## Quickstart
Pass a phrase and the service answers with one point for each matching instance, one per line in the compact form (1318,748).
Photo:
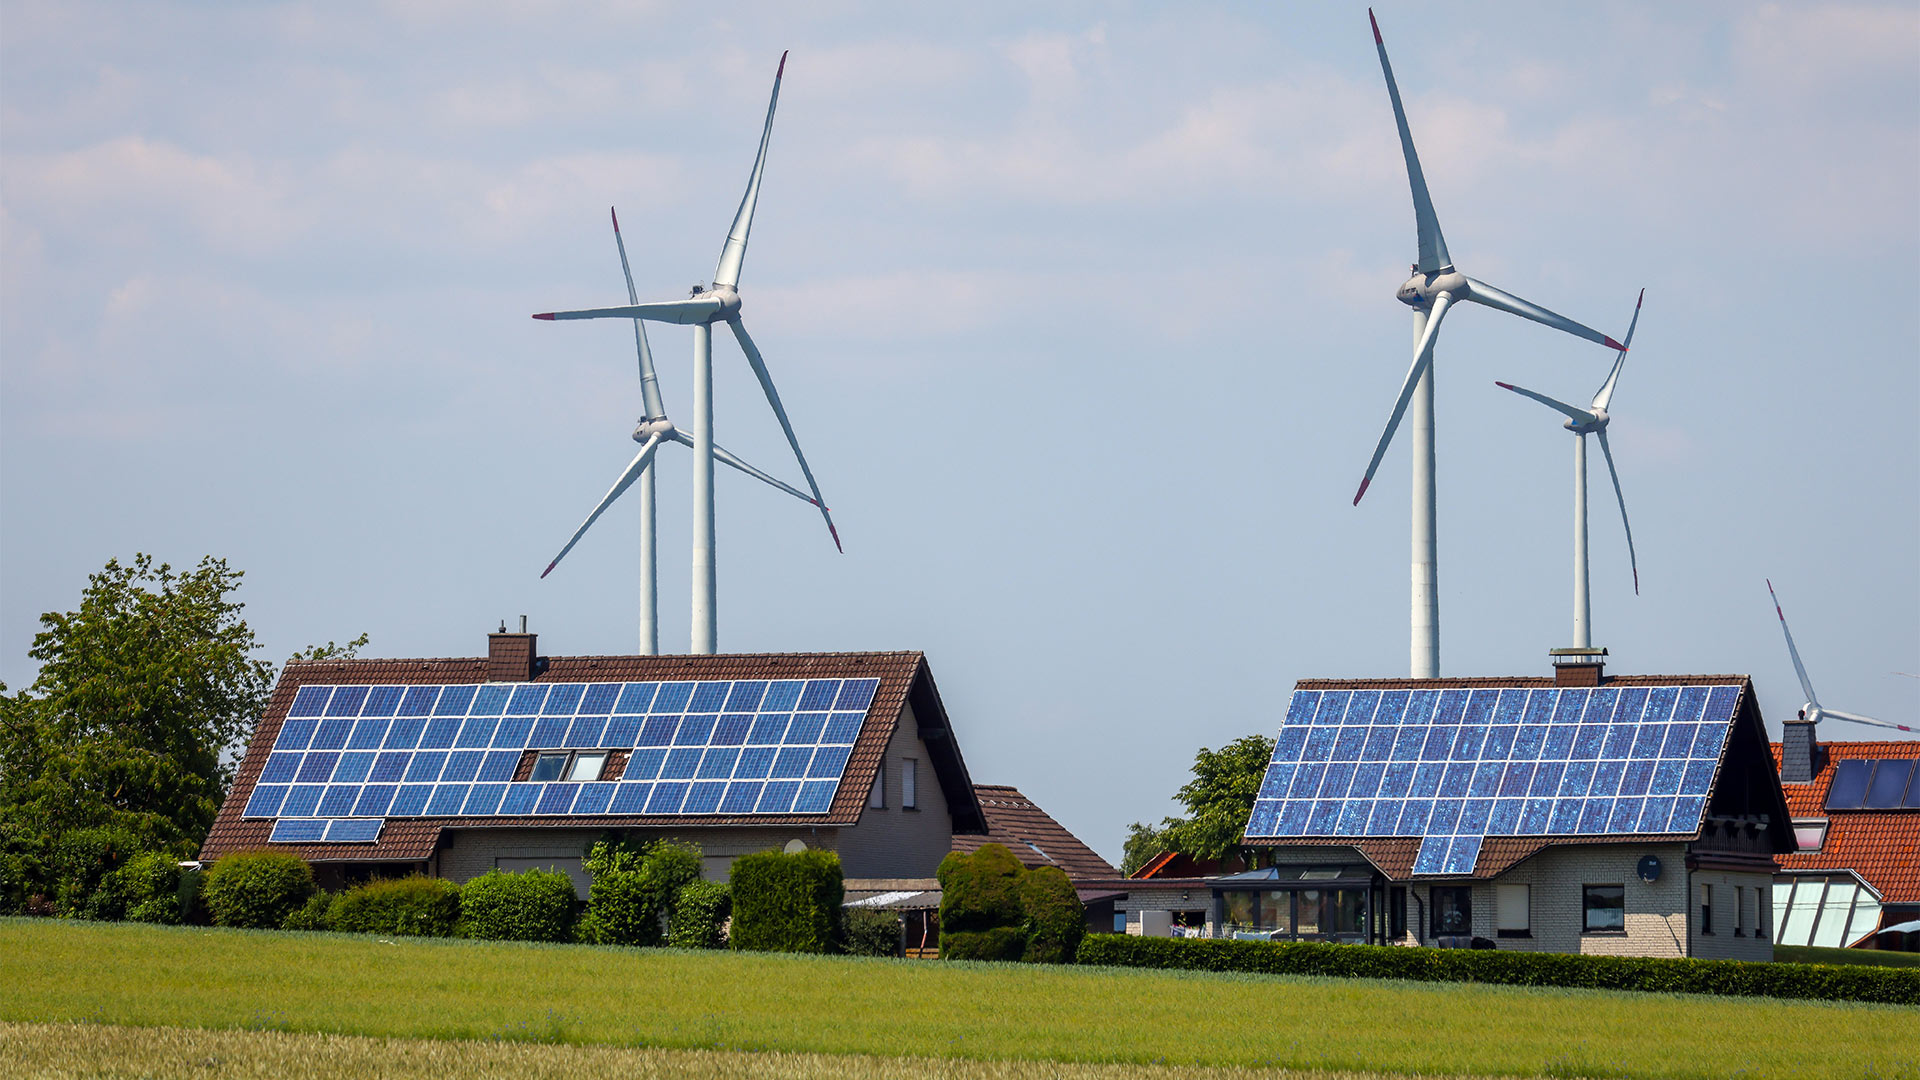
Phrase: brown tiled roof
(901,674)
(1518,682)
(1882,846)
(1032,835)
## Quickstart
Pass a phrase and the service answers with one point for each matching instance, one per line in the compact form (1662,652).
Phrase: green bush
(700,914)
(256,888)
(999,943)
(786,903)
(413,906)
(1056,920)
(315,914)
(82,859)
(634,890)
(980,891)
(870,932)
(535,906)
(1893,986)
(148,887)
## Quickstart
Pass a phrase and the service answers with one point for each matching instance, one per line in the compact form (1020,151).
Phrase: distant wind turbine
(1813,711)
(1433,288)
(1580,421)
(719,302)
(653,430)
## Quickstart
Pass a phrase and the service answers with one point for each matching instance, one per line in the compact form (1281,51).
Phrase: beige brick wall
(1741,935)
(1655,913)
(893,841)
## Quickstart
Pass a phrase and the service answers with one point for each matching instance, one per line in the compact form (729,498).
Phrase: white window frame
(909,784)
(1816,828)
(1512,909)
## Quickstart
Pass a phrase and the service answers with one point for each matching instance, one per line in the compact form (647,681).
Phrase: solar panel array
(1875,784)
(1455,766)
(348,757)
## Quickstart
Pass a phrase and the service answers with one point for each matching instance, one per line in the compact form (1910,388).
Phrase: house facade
(1854,882)
(453,767)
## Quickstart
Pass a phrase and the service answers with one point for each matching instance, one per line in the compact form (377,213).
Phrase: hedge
(150,887)
(993,908)
(1055,918)
(1893,986)
(980,891)
(535,906)
(999,943)
(634,890)
(256,888)
(413,906)
(870,932)
(82,859)
(786,903)
(315,914)
(700,914)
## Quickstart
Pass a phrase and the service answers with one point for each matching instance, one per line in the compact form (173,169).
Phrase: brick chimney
(1797,749)
(510,657)
(1578,667)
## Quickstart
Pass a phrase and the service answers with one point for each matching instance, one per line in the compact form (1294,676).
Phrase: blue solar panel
(353,832)
(1506,762)
(697,748)
(298,831)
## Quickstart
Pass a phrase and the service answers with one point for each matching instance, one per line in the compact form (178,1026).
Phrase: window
(1808,835)
(909,770)
(1396,913)
(581,767)
(1604,909)
(1761,919)
(586,766)
(1513,911)
(1739,911)
(548,767)
(877,798)
(1706,909)
(1452,910)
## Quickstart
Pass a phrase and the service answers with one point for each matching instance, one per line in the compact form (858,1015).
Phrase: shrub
(256,888)
(999,943)
(413,906)
(315,914)
(980,891)
(82,859)
(535,906)
(1056,920)
(700,914)
(634,890)
(148,887)
(786,903)
(870,932)
(1893,986)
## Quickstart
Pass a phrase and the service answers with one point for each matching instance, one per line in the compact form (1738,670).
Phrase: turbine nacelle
(647,429)
(729,299)
(1420,289)
(1583,427)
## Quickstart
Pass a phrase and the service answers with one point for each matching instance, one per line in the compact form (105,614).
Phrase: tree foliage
(1218,800)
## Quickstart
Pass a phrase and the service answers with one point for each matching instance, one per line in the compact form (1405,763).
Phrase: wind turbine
(653,430)
(1813,711)
(718,302)
(1430,292)
(1581,421)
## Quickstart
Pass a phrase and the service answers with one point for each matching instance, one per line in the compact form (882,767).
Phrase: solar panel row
(1875,784)
(321,830)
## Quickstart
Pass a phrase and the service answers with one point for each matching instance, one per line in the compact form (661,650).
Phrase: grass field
(125,975)
(1802,954)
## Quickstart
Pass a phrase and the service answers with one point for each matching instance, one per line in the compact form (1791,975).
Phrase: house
(453,767)
(1855,880)
(1583,813)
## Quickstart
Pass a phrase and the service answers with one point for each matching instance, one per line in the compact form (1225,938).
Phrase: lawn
(145,976)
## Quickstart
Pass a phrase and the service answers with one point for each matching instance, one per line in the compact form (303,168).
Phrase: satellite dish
(1649,868)
(795,847)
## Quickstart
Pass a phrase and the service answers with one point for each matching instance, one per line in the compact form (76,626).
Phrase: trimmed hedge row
(537,905)
(993,908)
(786,903)
(1892,986)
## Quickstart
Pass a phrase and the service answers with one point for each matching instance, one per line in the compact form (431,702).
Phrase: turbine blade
(1578,414)
(1824,713)
(1605,395)
(735,251)
(1422,358)
(689,312)
(1806,684)
(773,399)
(634,468)
(726,457)
(1482,293)
(649,382)
(1433,246)
(1621,497)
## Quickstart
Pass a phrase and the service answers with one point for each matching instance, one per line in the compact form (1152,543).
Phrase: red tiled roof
(1882,846)
(901,674)
(1032,835)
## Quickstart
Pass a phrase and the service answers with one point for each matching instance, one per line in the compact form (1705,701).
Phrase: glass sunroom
(1304,903)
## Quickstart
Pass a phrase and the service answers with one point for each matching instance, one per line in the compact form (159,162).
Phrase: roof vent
(1578,667)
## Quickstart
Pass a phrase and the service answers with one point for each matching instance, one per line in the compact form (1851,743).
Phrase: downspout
(1418,937)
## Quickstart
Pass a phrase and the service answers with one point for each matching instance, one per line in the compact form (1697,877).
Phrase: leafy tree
(140,693)
(330,651)
(1143,843)
(1218,799)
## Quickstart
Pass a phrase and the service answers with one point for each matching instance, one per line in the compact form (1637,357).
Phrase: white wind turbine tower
(1593,419)
(1433,288)
(653,430)
(1813,712)
(719,302)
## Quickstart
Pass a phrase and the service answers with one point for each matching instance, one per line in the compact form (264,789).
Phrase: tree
(1218,799)
(1143,843)
(329,651)
(140,693)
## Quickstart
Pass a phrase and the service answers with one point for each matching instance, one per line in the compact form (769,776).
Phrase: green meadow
(251,986)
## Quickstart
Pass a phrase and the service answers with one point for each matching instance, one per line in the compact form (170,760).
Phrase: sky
(1083,313)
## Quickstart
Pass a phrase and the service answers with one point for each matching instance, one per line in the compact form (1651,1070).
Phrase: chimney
(510,656)
(1578,667)
(1796,752)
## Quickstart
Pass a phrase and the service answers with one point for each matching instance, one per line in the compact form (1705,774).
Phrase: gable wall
(895,842)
